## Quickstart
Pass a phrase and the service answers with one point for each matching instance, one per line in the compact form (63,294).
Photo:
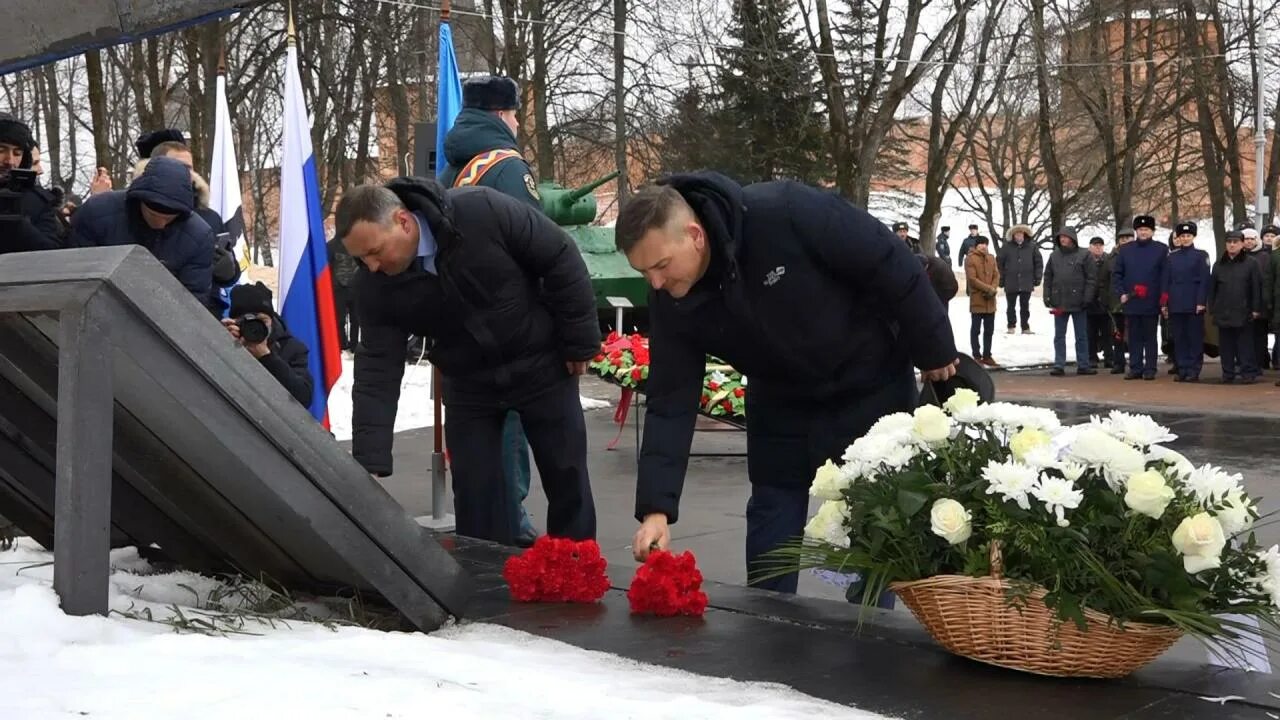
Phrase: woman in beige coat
(982,276)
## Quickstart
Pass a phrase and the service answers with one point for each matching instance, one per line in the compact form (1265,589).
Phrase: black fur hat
(490,92)
(149,141)
(1185,228)
(255,298)
(1144,221)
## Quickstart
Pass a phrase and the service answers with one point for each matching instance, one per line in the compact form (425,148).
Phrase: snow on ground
(1011,351)
(53,665)
(416,409)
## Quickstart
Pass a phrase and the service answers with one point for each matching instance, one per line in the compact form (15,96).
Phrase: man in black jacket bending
(814,300)
(505,303)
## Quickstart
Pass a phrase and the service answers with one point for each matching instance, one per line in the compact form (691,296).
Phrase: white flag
(224,179)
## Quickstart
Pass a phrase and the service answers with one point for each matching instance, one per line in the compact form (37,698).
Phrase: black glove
(224,266)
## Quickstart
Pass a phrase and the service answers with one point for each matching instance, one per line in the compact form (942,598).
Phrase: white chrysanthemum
(961,400)
(1012,480)
(1042,458)
(1211,484)
(1072,471)
(1269,580)
(930,426)
(894,424)
(1024,441)
(1182,467)
(829,482)
(1236,514)
(1022,417)
(975,415)
(1137,430)
(828,525)
(1058,495)
(1094,448)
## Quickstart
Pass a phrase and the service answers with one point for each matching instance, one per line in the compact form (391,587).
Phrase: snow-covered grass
(53,665)
(1011,351)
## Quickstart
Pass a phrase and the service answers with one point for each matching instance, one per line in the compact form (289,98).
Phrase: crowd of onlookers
(1129,305)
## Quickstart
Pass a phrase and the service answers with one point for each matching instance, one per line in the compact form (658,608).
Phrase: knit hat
(255,298)
(490,92)
(15,132)
(1249,233)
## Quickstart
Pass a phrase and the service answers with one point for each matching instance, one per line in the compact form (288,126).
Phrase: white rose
(828,525)
(951,521)
(1024,441)
(1236,515)
(1200,540)
(828,481)
(1148,494)
(931,426)
(961,400)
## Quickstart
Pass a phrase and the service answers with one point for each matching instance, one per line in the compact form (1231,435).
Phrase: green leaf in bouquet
(911,502)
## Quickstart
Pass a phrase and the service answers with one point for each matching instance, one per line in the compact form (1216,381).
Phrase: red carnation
(1164,299)
(637,374)
(1140,291)
(615,354)
(668,585)
(705,398)
(616,362)
(727,405)
(641,355)
(613,337)
(557,570)
(599,357)
(738,392)
(713,386)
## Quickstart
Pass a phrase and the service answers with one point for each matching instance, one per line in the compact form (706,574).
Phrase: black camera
(13,186)
(253,329)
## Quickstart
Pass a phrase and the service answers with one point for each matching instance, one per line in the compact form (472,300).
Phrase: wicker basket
(971,617)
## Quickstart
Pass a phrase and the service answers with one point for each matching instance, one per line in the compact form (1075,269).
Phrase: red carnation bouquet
(668,585)
(557,570)
(624,358)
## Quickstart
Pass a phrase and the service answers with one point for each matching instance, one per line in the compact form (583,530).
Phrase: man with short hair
(812,298)
(1099,323)
(504,302)
(967,244)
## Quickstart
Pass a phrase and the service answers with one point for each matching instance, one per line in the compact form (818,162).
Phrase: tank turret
(572,207)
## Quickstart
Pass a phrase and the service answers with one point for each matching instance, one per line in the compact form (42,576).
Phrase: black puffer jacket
(184,247)
(812,298)
(287,362)
(1070,279)
(1235,291)
(511,304)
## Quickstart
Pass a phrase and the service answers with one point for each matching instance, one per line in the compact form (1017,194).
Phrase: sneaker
(1057,372)
(1086,371)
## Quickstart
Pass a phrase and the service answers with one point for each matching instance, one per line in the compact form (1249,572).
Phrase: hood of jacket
(1024,229)
(717,201)
(474,132)
(165,182)
(428,197)
(1069,232)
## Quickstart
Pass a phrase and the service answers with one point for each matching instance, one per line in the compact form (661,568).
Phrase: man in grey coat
(1070,286)
(1021,268)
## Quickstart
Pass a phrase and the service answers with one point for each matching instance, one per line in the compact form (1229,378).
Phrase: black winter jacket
(511,304)
(812,298)
(1021,266)
(475,132)
(35,227)
(288,362)
(184,247)
(1235,291)
(1070,279)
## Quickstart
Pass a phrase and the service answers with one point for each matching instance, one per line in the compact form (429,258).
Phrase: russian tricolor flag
(306,288)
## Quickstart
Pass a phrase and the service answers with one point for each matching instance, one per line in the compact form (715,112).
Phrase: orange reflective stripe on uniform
(481,164)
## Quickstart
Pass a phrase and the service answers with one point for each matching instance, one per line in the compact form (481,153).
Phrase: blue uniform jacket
(1140,263)
(1186,280)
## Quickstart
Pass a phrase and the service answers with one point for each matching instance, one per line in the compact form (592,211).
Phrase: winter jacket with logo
(511,303)
(1021,266)
(1186,280)
(1140,263)
(816,301)
(475,132)
(1070,279)
(1235,291)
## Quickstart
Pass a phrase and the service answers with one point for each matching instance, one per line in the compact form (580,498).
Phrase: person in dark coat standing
(343,268)
(967,244)
(1111,301)
(1138,272)
(1271,291)
(481,150)
(1183,300)
(1021,269)
(504,301)
(942,246)
(156,212)
(1235,301)
(903,231)
(1070,284)
(1261,254)
(731,267)
(34,226)
(279,353)
(1099,321)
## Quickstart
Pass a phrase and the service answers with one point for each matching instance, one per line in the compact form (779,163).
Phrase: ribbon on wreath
(620,415)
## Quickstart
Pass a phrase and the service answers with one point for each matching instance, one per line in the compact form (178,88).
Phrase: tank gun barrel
(575,195)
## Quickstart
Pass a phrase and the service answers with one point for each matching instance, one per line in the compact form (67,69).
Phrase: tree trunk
(1048,154)
(195,96)
(620,98)
(837,112)
(98,109)
(53,125)
(1213,170)
(543,150)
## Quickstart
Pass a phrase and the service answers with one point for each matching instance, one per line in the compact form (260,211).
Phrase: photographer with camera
(256,326)
(28,217)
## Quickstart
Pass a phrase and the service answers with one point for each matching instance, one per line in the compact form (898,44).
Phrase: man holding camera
(256,327)
(28,216)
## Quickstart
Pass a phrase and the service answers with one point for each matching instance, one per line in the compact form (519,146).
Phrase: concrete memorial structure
(129,417)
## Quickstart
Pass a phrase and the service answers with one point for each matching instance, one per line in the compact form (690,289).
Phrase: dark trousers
(1188,343)
(1260,329)
(1012,298)
(787,440)
(557,434)
(984,323)
(344,305)
(1119,342)
(1143,353)
(1078,321)
(1238,356)
(1099,337)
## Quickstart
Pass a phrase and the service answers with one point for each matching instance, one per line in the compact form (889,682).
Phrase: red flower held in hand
(1140,291)
(557,570)
(668,585)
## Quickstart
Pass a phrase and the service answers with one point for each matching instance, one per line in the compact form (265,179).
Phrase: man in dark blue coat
(815,300)
(156,212)
(1136,280)
(1183,299)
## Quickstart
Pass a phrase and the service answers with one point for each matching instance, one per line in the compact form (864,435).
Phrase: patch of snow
(416,409)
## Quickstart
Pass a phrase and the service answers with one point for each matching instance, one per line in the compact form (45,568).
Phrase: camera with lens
(13,185)
(253,329)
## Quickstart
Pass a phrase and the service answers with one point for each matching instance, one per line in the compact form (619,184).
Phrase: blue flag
(449,94)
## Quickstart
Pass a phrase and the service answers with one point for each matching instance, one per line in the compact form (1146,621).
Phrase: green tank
(611,275)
